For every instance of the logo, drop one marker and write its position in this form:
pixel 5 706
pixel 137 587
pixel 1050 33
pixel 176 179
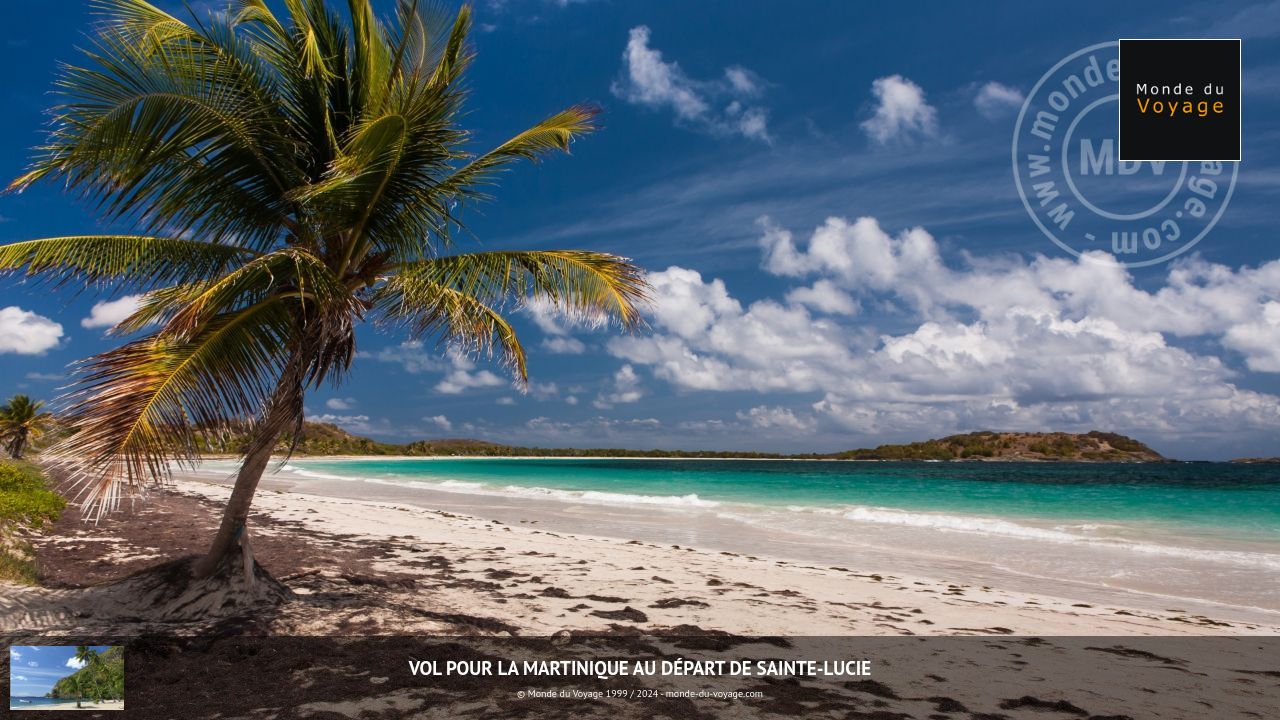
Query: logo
pixel 1082 196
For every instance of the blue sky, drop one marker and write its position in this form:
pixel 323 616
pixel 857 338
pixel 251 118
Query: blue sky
pixel 33 670
pixel 823 196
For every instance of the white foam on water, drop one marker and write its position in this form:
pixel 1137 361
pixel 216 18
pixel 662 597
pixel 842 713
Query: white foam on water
pixel 594 497
pixel 1005 528
pixel 1092 534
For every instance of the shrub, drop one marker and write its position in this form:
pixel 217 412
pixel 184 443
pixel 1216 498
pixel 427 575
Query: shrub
pixel 25 504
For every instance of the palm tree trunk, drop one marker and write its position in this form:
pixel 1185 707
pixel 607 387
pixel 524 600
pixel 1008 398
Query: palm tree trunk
pixel 281 412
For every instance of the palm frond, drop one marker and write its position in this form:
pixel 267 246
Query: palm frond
pixel 460 297
pixel 143 405
pixel 126 261
pixel 555 133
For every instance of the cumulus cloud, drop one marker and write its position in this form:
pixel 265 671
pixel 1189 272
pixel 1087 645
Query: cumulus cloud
pixel 626 389
pixel 720 107
pixel 556 324
pixel 995 101
pixel 995 342
pixel 824 296
pixel 340 403
pixel 901 111
pixel 440 421
pixel 110 313
pixel 412 355
pixel 764 417
pixel 15 654
pixel 464 376
pixel 23 332
pixel 564 346
pixel 75 663
pixel 595 430
pixel 460 371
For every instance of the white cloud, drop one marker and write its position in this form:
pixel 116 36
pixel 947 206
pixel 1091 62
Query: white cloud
pixel 440 421
pixel 460 373
pixel 901 111
pixel 22 678
pixel 544 391
pixel 626 389
pixel 995 101
pixel 996 342
pixel 779 418
pixel 719 107
pixel 564 346
pixel 25 333
pixel 14 654
pixel 824 296
pixel 110 313
pixel 47 377
pixel 412 355
pixel 347 421
pixel 74 663
pixel 555 322
pixel 1258 339
pixel 464 376
pixel 597 430
pixel 506 400
pixel 340 403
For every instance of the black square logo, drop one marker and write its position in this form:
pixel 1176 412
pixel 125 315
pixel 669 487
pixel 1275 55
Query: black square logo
pixel 1179 100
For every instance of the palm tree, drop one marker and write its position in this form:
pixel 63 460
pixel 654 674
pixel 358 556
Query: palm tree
pixel 284 180
pixel 21 422
pixel 91 662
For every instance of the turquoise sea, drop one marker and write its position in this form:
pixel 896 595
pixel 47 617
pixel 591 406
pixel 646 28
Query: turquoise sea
pixel 31 703
pixel 1203 530
pixel 1211 499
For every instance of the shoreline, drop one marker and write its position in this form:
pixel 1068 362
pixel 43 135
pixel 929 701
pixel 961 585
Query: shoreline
pixel 1153 565
pixel 373 565
pixel 86 705
pixel 375 516
pixel 1033 461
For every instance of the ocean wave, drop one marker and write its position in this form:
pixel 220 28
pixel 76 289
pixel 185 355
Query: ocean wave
pixel 972 524
pixel 594 497
pixel 610 498
pixel 1084 533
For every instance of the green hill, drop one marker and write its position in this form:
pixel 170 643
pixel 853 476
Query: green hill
pixel 988 445
pixel 104 680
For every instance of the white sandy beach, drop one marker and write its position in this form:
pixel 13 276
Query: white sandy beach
pixel 71 705
pixel 547 579
pixel 500 566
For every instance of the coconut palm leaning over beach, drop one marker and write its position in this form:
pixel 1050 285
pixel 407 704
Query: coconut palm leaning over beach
pixel 283 180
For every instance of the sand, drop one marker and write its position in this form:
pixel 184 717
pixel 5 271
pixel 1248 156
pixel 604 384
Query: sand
pixel 431 569
pixel 418 578
pixel 71 705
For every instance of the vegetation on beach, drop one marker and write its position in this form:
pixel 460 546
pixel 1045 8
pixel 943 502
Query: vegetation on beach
pixel 26 505
pixel 282 178
pixel 101 678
